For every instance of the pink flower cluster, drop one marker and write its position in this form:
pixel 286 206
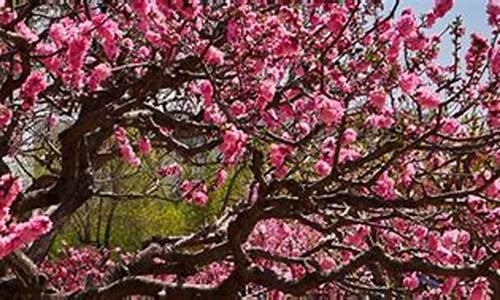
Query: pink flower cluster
pixel 214 56
pixel 440 9
pixel 77 267
pixel 98 75
pixel 31 88
pixel 383 120
pixel 477 53
pixel 385 187
pixel 331 111
pixel 144 145
pixel 15 235
pixel 194 192
pixel 409 82
pixel 5 116
pixel 170 170
pixel 124 147
pixel 427 98
pixel 493 10
pixel 233 145
pixel 494 114
pixel 10 189
pixel 495 61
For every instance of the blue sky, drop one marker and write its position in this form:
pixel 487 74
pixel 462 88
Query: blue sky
pixel 472 11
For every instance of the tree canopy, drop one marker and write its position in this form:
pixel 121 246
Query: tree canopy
pixel 314 147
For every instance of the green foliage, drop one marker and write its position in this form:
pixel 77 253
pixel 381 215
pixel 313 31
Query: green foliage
pixel 164 213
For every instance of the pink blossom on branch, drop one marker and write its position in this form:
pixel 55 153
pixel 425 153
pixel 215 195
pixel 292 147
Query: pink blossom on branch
pixel 285 93
pixel 331 111
pixel 427 98
pixel 99 74
pixel 493 10
pixel 145 145
pixel 125 148
pixel 5 116
pixel 409 82
pixel 233 145
pixel 32 87
pixel 440 9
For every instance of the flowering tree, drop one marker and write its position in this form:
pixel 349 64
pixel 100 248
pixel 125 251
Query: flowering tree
pixel 374 169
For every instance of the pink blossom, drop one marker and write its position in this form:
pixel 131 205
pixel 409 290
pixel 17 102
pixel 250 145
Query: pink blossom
pixel 377 99
pixel 493 10
pixel 26 32
pixel 350 135
pixel 441 7
pixel 411 281
pixel 51 61
pixel 57 33
pixel 417 42
pixel 31 88
pixel 329 143
pixel 348 155
pixel 199 198
pixel 99 74
pixel 24 233
pixel 111 48
pixel 322 168
pixel 407 175
pixel 214 56
pixel 206 91
pixel 188 9
pixel 128 154
pixel 493 190
pixel 287 46
pixel 194 192
pixel 233 145
pixel 214 115
pixel 476 55
pixel 479 292
pixel 409 82
pixel 278 153
pixel 5 116
pixel 337 19
pixel 331 111
pixel 495 61
pixel 266 93
pixel 327 264
pixel 420 232
pixel 144 145
pixel 380 121
pixel 10 189
pixel 427 98
pixel 448 285
pixel 220 178
pixel 78 47
pixel 238 109
pixel 433 241
pixel 407 24
pixel 141 7
pixel 170 170
pixel 124 147
pixel 304 127
pixel 450 126
pixel 358 237
pixel 384 187
pixel 449 238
